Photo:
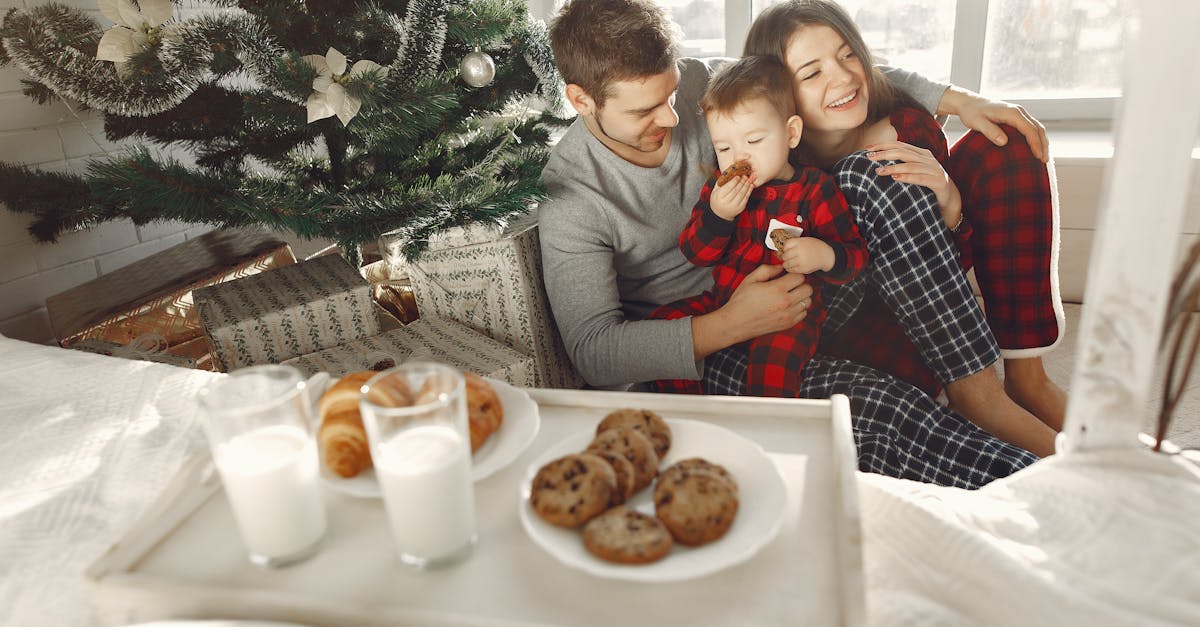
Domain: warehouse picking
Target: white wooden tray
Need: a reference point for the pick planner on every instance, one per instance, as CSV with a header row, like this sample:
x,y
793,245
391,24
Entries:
x,y
183,558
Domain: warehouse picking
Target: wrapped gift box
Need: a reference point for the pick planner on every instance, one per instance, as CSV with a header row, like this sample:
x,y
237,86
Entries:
x,y
154,295
286,313
490,279
393,293
432,339
156,352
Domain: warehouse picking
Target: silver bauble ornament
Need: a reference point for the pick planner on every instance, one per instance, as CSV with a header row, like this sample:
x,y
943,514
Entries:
x,y
477,68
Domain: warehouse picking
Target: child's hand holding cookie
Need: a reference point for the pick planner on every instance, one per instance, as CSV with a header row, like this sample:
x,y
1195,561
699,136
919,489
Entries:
x,y
805,255
728,199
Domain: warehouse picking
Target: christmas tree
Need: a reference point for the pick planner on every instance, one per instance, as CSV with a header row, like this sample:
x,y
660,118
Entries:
x,y
336,119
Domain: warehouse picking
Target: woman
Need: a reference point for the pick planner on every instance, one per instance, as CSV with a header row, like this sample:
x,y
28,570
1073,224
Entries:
x,y
911,316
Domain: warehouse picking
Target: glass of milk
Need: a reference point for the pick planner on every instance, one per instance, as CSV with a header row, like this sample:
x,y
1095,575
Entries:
x,y
258,423
416,420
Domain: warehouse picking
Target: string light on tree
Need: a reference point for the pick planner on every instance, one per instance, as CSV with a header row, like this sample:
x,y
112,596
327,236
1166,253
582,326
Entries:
x,y
477,68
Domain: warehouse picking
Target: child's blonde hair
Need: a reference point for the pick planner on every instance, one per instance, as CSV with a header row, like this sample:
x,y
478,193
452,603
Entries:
x,y
749,78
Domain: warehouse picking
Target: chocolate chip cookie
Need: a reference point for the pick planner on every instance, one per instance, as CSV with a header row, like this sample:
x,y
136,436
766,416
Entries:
x,y
643,421
570,490
627,536
779,236
626,475
631,445
738,168
701,465
696,506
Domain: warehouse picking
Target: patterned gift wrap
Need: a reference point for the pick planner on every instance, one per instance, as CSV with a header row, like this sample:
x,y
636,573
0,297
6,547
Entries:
x,y
427,339
154,295
286,313
490,279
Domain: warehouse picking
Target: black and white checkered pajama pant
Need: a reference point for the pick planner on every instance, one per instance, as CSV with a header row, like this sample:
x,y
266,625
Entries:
x,y
900,431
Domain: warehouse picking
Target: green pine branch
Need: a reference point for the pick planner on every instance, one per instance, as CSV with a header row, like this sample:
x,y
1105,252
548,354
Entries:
x,y
425,151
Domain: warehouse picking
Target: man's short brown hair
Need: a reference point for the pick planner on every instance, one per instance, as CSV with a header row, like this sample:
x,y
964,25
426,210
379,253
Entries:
x,y
599,42
748,78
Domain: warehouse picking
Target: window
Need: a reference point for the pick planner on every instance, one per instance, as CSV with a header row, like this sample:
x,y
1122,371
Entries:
x,y
703,25
1056,56
1062,59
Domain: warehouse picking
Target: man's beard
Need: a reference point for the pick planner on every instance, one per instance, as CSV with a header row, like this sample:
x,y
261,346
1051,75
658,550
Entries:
x,y
636,147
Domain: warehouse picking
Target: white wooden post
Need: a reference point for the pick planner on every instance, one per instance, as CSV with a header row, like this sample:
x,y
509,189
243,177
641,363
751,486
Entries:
x,y
1134,255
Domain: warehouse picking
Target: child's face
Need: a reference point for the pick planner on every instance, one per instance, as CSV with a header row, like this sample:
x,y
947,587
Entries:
x,y
757,133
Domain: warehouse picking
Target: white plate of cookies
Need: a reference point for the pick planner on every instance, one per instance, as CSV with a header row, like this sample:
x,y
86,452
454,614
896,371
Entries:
x,y
713,499
518,426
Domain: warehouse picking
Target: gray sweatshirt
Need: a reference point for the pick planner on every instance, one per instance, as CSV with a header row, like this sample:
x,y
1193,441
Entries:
x,y
610,241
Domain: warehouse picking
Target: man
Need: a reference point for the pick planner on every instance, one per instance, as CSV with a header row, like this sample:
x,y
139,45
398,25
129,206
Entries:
x,y
623,180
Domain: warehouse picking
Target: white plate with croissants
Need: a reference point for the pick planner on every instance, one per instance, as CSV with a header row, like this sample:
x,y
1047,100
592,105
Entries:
x,y
503,422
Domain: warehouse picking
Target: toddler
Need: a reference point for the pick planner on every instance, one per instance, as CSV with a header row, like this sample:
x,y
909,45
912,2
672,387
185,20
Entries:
x,y
763,203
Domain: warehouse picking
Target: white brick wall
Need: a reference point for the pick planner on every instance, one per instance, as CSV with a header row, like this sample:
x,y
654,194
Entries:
x,y
55,138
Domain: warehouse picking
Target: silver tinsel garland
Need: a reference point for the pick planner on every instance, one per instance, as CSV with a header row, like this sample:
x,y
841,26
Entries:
x,y
74,72
425,23
540,58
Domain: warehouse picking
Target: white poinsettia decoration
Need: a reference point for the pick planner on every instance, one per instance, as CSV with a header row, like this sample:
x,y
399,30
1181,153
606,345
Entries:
x,y
329,97
135,27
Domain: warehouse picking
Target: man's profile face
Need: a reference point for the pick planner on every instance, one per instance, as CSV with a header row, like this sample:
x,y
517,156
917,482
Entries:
x,y
638,115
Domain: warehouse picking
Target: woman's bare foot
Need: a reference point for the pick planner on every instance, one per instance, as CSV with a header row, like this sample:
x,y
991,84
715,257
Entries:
x,y
1026,382
981,399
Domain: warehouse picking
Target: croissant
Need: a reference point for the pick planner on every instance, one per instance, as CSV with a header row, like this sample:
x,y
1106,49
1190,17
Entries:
x,y
484,411
342,437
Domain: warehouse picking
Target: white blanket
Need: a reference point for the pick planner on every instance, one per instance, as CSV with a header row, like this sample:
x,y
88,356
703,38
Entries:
x,y
1107,538
86,442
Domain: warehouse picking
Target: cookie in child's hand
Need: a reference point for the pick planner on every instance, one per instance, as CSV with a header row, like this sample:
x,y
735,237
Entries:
x,y
779,236
739,168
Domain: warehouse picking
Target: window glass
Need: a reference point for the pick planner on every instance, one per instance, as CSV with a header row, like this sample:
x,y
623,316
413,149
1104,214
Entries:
x,y
703,24
1055,48
917,35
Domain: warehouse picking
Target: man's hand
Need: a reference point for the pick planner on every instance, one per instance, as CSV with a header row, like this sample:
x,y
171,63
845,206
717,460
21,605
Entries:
x,y
768,300
729,200
984,115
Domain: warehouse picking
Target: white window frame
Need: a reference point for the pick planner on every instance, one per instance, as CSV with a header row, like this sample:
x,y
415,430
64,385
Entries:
x,y
966,70
966,66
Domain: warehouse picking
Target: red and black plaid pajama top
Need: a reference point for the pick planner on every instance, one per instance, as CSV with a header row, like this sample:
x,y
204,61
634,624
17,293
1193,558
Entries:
x,y
810,200
1008,237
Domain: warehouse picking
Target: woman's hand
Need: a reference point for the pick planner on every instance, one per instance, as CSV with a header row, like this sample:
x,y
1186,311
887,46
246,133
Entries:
x,y
982,114
805,255
729,200
920,168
